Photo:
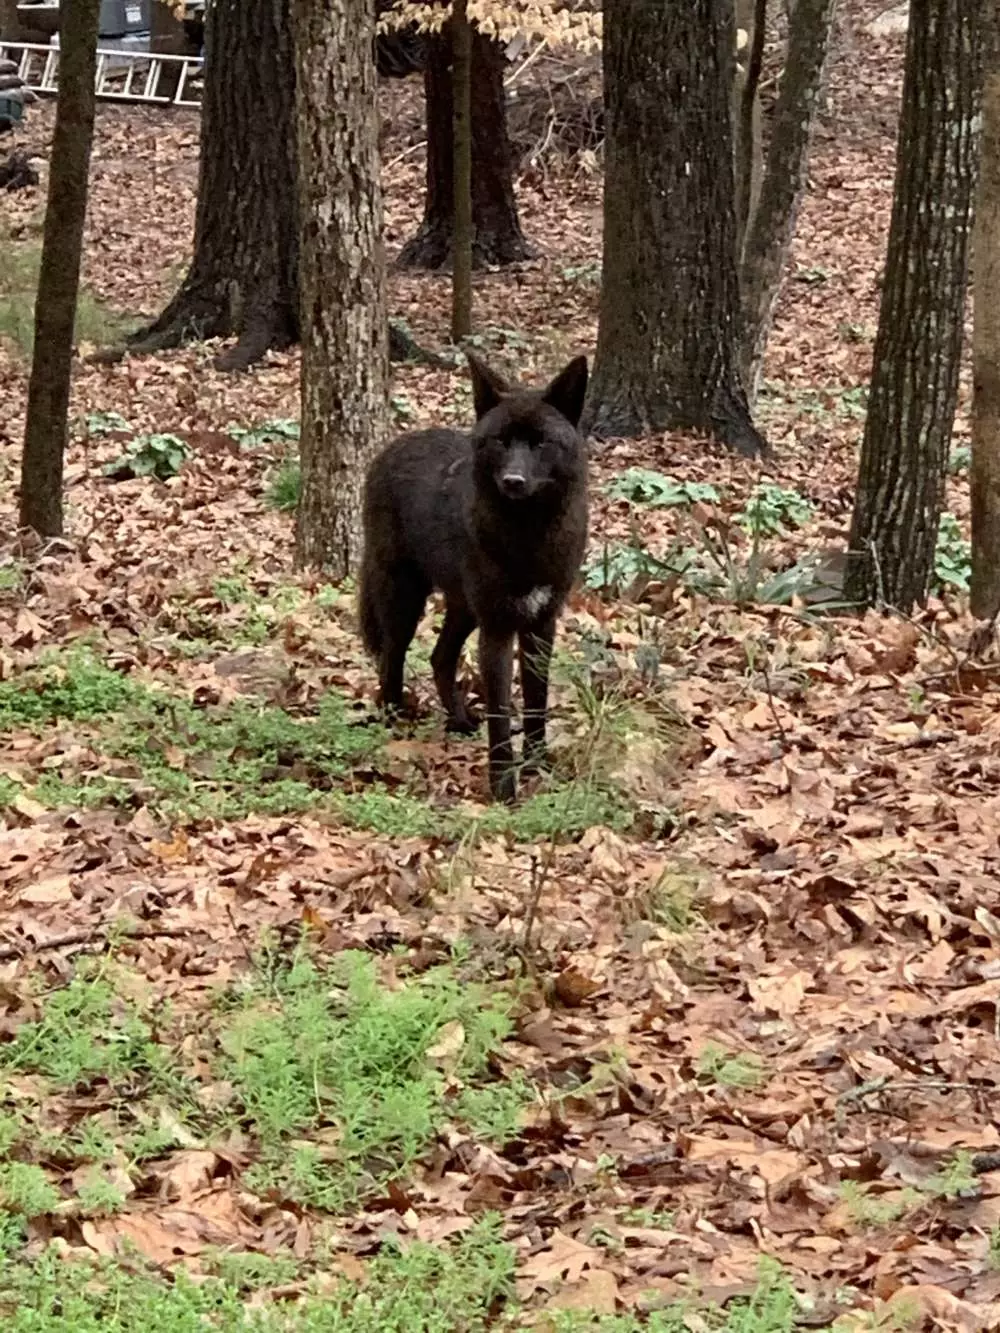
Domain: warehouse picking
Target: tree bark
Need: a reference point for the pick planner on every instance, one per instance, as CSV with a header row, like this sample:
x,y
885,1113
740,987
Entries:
x,y
243,279
59,275
668,336
985,585
748,149
919,342
344,361
772,222
498,238
461,278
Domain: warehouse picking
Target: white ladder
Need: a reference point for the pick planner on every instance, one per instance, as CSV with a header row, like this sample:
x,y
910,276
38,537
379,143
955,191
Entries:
x,y
122,76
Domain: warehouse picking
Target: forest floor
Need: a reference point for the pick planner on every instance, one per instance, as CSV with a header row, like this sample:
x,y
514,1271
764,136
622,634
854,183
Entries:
x,y
725,990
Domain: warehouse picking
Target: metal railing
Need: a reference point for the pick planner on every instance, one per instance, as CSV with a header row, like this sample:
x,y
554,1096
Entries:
x,y
122,75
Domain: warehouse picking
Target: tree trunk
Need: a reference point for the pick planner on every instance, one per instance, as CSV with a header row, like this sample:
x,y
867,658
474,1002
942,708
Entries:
x,y
919,342
461,278
243,279
985,587
772,223
497,230
748,148
344,362
59,275
668,337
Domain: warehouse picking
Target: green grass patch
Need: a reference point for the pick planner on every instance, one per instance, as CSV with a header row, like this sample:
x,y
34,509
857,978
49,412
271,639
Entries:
x,y
339,1078
95,322
344,1083
285,485
416,1289
140,742
72,686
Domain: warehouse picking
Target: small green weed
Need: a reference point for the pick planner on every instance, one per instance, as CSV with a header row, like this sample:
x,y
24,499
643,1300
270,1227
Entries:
x,y
268,432
370,1074
105,423
615,567
642,486
285,486
811,275
161,456
772,1307
770,507
402,408
955,1179
952,556
993,1256
873,1212
729,1069
26,1190
670,902
960,460
11,576
654,1218
588,274
98,1196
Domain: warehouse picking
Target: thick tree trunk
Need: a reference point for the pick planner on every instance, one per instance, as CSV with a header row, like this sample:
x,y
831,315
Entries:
x,y
919,342
59,276
243,279
669,329
461,278
498,238
772,222
344,362
985,588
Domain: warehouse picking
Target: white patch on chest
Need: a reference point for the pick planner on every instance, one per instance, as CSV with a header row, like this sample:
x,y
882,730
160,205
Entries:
x,y
533,603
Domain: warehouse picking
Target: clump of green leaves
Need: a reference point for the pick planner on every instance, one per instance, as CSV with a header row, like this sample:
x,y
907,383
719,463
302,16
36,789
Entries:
x,y
641,486
952,556
105,423
345,1082
159,455
770,507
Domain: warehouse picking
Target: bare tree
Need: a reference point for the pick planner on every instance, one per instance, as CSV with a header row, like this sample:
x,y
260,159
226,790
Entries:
x,y
771,218
344,362
497,237
461,282
668,339
919,342
244,274
985,589
59,276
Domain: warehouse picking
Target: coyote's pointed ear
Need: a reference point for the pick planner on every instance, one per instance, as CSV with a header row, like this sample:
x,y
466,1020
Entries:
x,y
568,390
487,386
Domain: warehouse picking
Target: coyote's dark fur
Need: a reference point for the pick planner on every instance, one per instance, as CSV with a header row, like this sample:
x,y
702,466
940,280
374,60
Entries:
x,y
497,521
